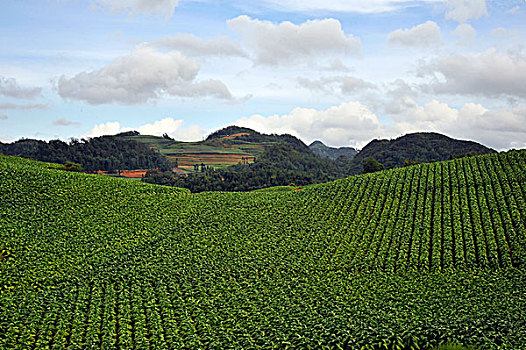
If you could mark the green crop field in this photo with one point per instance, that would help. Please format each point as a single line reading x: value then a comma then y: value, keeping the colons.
x: 415, y: 257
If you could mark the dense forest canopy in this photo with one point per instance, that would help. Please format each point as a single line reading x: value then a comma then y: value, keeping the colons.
x: 107, y: 153
x: 423, y: 147
x: 280, y: 165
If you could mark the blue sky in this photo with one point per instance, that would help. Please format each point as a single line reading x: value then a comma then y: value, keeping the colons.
x: 342, y: 71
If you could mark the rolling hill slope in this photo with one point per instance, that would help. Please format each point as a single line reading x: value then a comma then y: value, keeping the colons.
x: 417, y: 256
x: 323, y: 151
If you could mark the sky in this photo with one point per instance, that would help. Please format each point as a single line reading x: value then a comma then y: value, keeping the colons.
x: 340, y: 71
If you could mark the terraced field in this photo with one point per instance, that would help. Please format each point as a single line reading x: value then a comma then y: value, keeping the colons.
x: 408, y: 258
x: 221, y: 152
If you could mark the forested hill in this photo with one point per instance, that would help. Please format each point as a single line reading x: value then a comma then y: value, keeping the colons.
x: 238, y: 134
x: 414, y: 148
x: 323, y: 151
x: 280, y: 164
x: 107, y: 153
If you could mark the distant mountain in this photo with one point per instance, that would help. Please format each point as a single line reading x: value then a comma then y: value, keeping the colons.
x: 416, y: 148
x: 323, y: 151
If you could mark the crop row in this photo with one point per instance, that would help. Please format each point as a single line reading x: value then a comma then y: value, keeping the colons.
x: 417, y: 256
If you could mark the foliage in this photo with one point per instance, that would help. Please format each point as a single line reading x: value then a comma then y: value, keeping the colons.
x: 323, y: 151
x: 414, y: 257
x: 416, y: 147
x: 280, y: 165
x: 70, y: 166
x: 371, y: 165
x: 109, y: 153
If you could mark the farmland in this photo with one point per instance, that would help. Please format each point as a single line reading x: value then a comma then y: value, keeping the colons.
x: 217, y: 153
x: 412, y: 257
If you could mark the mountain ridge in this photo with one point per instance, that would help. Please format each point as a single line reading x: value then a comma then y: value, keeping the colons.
x: 324, y: 151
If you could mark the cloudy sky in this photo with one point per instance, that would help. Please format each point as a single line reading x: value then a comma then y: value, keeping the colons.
x: 342, y: 71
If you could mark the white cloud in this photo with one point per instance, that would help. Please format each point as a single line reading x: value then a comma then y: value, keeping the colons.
x: 289, y: 43
x: 353, y: 124
x: 192, y: 45
x: 423, y: 35
x: 500, y: 129
x: 174, y: 128
x: 9, y: 105
x: 337, y: 65
x: 359, y: 6
x: 499, y: 32
x: 3, y: 117
x: 6, y: 139
x: 142, y: 76
x: 489, y: 74
x: 109, y: 128
x: 466, y: 34
x: 347, y: 124
x: 464, y: 10
x: 9, y: 87
x: 147, y: 7
x: 330, y: 85
x: 64, y: 122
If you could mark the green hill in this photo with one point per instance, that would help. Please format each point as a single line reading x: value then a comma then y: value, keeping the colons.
x: 228, y: 146
x: 417, y: 256
x: 107, y: 153
x: 422, y: 147
x: 323, y: 151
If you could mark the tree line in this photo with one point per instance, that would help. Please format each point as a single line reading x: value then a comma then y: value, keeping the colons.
x: 108, y: 153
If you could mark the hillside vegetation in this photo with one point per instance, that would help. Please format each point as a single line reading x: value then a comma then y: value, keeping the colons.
x: 323, y: 151
x: 224, y: 147
x: 421, y: 147
x: 411, y: 257
x: 106, y: 153
x: 281, y: 164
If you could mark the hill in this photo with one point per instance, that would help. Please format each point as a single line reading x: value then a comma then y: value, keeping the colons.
x: 106, y: 153
x: 281, y: 164
x: 417, y: 256
x: 416, y: 148
x: 228, y: 146
x: 323, y: 151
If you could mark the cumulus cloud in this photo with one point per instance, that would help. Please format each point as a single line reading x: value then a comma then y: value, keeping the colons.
x: 10, y: 105
x: 109, y: 128
x: 144, y: 75
x: 3, y: 117
x: 358, y: 6
x: 174, y: 128
x: 353, y: 124
x: 330, y: 85
x: 464, y: 10
x: 147, y: 7
x: 347, y: 124
x: 9, y: 87
x: 64, y: 122
x: 466, y: 34
x: 287, y: 43
x: 6, y: 139
x: 489, y: 74
x: 423, y: 35
x: 336, y: 65
x: 192, y: 45
x: 499, y: 32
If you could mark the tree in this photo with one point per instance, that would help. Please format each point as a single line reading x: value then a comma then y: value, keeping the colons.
x: 371, y: 165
